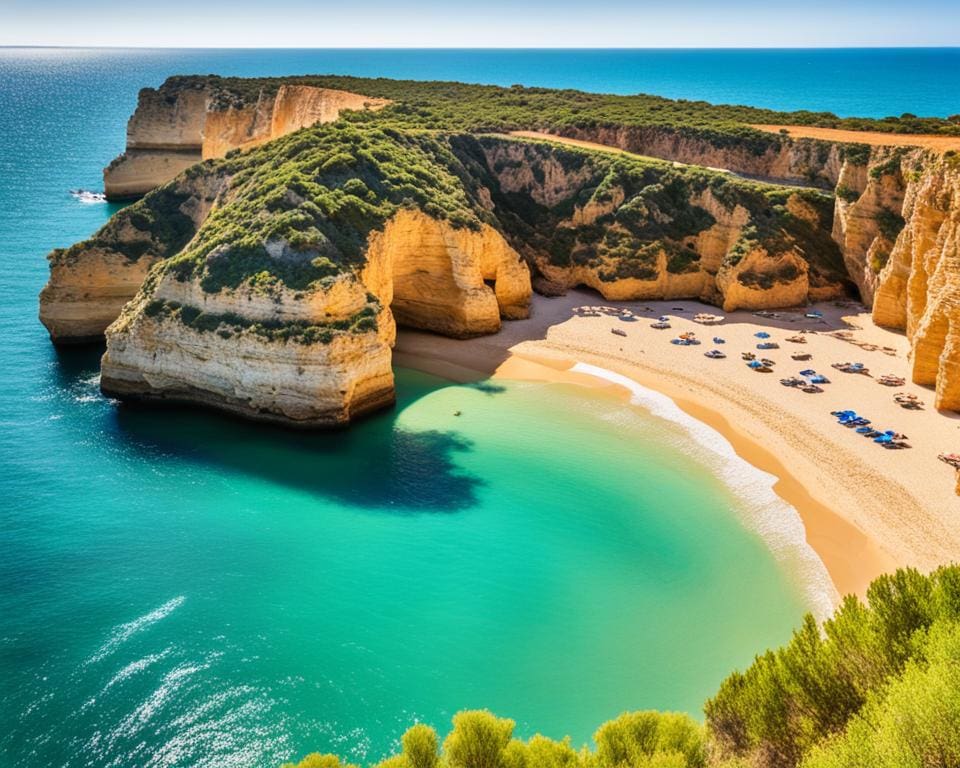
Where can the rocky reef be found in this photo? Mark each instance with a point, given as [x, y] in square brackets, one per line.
[315, 213]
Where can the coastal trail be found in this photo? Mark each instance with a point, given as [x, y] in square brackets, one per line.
[541, 136]
[873, 138]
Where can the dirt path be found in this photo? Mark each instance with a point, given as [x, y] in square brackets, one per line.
[618, 151]
[873, 138]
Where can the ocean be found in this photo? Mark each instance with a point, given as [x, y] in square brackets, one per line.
[183, 589]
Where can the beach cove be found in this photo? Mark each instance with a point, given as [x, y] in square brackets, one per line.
[866, 510]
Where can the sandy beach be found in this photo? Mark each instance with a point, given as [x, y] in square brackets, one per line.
[866, 510]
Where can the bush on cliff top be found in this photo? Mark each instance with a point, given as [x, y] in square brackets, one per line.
[301, 209]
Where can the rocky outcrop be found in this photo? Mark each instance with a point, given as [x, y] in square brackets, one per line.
[90, 282]
[308, 359]
[868, 215]
[176, 126]
[919, 288]
[668, 236]
[318, 357]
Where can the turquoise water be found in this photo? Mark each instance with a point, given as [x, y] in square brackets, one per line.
[181, 589]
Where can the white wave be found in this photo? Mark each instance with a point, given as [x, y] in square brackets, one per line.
[87, 197]
[776, 521]
[125, 631]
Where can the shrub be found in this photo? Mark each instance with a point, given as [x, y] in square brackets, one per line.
[846, 194]
[420, 747]
[478, 740]
[651, 738]
[889, 223]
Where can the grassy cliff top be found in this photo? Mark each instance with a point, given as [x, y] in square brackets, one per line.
[298, 211]
[464, 107]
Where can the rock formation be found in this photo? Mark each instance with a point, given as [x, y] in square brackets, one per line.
[670, 235]
[319, 356]
[304, 253]
[178, 125]
[919, 288]
[90, 282]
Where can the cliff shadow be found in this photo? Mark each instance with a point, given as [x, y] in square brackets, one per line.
[375, 464]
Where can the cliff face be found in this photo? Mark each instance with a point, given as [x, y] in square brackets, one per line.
[919, 288]
[433, 276]
[666, 233]
[316, 357]
[802, 160]
[437, 231]
[175, 127]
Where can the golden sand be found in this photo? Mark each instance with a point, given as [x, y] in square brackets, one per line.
[866, 509]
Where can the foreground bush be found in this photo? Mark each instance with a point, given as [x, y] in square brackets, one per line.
[831, 683]
[482, 740]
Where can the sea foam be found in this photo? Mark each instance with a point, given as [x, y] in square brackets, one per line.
[761, 509]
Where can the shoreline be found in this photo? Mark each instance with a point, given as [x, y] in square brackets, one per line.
[858, 529]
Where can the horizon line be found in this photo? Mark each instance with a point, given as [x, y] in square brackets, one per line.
[42, 46]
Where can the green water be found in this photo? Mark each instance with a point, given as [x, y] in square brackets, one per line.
[180, 589]
[200, 590]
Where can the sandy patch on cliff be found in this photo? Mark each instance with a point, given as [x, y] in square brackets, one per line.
[866, 510]
[873, 138]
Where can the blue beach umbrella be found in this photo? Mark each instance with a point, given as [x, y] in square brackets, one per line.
[762, 335]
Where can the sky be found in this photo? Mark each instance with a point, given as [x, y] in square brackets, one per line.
[480, 23]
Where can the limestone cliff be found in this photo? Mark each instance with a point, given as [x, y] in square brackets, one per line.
[90, 282]
[656, 232]
[181, 123]
[919, 288]
[314, 358]
[438, 226]
[433, 276]
[798, 160]
[319, 356]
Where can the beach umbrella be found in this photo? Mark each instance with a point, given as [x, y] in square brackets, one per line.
[762, 335]
[754, 364]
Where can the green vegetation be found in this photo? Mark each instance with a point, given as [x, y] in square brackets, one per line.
[876, 686]
[481, 740]
[890, 165]
[846, 194]
[301, 208]
[297, 213]
[159, 227]
[812, 701]
[879, 260]
[229, 326]
[890, 223]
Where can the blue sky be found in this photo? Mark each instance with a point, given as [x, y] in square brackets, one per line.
[494, 23]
